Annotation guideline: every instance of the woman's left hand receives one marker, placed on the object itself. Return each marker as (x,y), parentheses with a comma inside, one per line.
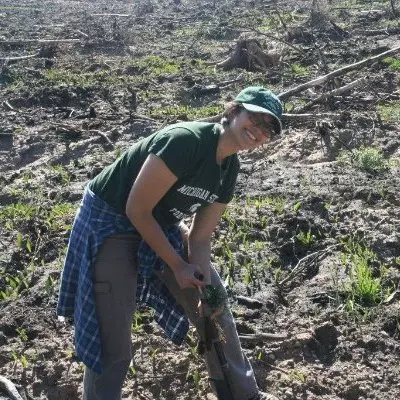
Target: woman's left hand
(189,276)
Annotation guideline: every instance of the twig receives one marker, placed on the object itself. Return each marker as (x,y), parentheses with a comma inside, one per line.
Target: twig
(373,32)
(76,129)
(249,302)
(332,93)
(279,15)
(22,41)
(275,367)
(139,116)
(82,33)
(67,127)
(322,79)
(297,49)
(9,106)
(302,263)
(395,12)
(262,336)
(309,117)
(111,15)
(224,84)
(103,135)
(345,145)
(253,56)
(6,59)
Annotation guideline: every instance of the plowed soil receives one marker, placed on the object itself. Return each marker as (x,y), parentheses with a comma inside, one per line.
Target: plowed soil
(81,81)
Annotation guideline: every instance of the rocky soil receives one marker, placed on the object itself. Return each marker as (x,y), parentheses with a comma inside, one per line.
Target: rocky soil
(309,248)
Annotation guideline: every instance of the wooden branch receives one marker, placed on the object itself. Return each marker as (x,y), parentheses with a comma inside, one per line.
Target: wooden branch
(9,389)
(262,336)
(23,41)
(278,39)
(285,371)
(275,2)
(7,59)
(9,106)
(395,12)
(145,117)
(332,93)
(68,128)
(303,263)
(212,118)
(239,78)
(374,32)
(285,117)
(82,33)
(249,302)
(309,117)
(103,135)
(322,79)
(111,15)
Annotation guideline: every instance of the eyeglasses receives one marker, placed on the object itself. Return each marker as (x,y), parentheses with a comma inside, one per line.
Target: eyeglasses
(259,121)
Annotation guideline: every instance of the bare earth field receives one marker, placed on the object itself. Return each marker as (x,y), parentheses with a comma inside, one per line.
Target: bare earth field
(310,246)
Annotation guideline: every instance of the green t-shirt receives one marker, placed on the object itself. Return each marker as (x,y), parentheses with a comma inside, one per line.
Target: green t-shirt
(189,151)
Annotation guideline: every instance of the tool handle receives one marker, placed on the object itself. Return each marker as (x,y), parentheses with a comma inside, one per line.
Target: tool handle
(224,367)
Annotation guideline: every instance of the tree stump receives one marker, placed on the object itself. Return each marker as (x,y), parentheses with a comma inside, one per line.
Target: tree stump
(249,55)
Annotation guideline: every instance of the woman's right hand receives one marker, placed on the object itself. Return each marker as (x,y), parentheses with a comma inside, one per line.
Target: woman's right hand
(189,276)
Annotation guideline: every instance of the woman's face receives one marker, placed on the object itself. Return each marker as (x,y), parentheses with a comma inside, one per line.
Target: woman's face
(251,130)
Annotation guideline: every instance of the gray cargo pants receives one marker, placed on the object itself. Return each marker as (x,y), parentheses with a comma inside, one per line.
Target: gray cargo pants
(115,275)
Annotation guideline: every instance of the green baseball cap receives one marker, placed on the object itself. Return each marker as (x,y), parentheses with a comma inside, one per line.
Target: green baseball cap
(260,100)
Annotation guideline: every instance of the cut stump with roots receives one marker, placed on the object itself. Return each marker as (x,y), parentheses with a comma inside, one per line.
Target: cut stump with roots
(248,54)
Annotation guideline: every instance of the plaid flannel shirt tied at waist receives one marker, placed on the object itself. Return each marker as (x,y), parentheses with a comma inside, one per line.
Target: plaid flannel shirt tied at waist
(94,222)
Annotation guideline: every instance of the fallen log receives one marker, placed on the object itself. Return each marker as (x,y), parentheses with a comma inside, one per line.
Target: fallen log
(332,93)
(322,79)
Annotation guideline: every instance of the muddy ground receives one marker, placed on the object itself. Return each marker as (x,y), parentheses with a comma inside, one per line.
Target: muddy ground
(305,217)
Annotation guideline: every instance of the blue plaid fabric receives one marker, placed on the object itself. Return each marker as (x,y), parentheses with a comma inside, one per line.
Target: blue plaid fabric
(94,222)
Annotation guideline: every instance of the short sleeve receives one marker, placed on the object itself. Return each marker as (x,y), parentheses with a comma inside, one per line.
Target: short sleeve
(177,147)
(231,172)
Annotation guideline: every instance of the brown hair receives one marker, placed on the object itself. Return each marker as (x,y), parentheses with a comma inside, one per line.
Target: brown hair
(232,109)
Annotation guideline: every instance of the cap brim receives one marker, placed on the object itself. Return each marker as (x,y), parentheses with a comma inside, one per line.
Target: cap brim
(258,109)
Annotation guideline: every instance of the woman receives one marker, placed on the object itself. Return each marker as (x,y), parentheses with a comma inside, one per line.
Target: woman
(127,242)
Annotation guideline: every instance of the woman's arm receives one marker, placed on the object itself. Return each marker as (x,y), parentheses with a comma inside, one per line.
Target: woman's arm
(199,239)
(151,184)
